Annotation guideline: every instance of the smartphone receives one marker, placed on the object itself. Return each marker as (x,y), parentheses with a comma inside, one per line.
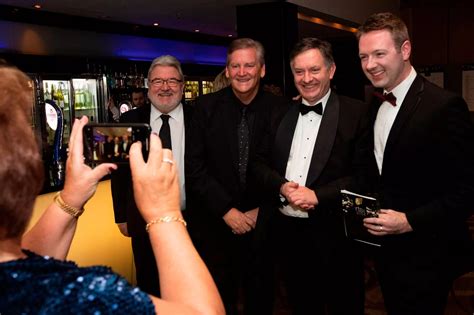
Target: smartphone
(111,142)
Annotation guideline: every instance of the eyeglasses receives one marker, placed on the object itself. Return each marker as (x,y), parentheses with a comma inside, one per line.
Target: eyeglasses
(171,82)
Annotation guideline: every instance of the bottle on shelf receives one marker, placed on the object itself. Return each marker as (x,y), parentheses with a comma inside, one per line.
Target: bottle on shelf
(46,93)
(87,98)
(79,98)
(59,97)
(188,94)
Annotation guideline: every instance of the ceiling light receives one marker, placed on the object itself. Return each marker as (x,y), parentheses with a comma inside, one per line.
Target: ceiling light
(37,6)
(156,24)
(230,35)
(197,31)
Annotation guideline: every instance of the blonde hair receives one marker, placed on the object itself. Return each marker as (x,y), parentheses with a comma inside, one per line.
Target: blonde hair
(220,82)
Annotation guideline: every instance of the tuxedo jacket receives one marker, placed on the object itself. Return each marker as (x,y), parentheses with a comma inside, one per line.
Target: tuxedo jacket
(212,154)
(339,151)
(428,172)
(125,209)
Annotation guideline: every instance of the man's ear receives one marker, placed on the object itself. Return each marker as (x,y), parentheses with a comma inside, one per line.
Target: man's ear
(406,50)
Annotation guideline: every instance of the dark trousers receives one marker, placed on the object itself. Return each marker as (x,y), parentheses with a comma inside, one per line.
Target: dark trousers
(413,280)
(230,258)
(145,265)
(322,273)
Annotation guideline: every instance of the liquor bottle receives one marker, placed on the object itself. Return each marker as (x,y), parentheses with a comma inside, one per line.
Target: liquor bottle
(188,94)
(53,92)
(65,94)
(46,93)
(79,98)
(87,97)
(60,97)
(141,81)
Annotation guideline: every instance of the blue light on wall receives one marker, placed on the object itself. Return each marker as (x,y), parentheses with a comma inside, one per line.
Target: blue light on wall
(140,48)
(45,40)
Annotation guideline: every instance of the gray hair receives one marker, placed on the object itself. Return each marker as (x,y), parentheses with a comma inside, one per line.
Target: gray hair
(243,43)
(166,61)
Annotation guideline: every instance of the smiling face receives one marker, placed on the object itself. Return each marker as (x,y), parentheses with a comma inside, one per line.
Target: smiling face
(312,75)
(384,64)
(164,97)
(244,72)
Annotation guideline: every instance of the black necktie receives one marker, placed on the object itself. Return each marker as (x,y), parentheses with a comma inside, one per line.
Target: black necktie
(243,134)
(386,97)
(318,109)
(165,132)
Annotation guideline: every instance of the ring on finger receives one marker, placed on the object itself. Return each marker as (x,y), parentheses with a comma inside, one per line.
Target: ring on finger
(166,160)
(381,228)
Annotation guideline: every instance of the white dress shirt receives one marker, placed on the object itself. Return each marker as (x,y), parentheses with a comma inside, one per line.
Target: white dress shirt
(301,152)
(386,116)
(176,123)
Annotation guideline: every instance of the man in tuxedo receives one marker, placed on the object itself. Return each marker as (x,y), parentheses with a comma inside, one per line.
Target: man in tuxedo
(126,144)
(221,141)
(169,118)
(422,169)
(313,154)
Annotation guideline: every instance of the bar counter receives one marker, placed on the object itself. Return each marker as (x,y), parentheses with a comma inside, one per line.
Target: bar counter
(97,240)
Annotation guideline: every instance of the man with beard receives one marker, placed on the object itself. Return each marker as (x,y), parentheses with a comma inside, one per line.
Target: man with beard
(222,139)
(169,118)
(138,98)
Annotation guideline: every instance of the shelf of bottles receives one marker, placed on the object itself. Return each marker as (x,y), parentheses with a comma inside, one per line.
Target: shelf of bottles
(207,87)
(85,98)
(60,92)
(122,83)
(196,87)
(191,90)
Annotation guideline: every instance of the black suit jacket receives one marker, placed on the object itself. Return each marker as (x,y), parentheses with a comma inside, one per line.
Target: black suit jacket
(125,209)
(428,173)
(212,154)
(338,155)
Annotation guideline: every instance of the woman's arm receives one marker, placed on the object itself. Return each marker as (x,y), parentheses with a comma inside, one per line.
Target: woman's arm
(186,284)
(53,233)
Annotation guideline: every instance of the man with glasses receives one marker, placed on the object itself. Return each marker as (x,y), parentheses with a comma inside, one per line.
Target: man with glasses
(169,118)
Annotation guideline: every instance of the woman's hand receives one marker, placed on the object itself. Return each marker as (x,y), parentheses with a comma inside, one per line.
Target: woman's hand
(155,182)
(81,180)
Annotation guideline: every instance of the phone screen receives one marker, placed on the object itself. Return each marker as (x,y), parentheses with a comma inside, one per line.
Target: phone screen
(112,142)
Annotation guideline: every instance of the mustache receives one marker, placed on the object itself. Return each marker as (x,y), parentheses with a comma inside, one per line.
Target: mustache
(165,94)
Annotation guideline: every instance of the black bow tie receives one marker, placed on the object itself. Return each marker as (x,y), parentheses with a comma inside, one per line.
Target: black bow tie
(318,109)
(386,97)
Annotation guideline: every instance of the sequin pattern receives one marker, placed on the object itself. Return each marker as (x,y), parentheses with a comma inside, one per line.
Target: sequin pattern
(43,285)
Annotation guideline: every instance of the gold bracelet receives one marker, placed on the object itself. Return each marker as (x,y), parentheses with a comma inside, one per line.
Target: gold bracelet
(165,219)
(75,212)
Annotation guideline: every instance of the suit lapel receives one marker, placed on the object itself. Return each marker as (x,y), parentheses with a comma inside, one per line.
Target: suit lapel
(284,138)
(325,140)
(187,112)
(408,107)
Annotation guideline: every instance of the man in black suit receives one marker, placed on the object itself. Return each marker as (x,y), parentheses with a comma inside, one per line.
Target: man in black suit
(313,154)
(220,143)
(422,168)
(166,85)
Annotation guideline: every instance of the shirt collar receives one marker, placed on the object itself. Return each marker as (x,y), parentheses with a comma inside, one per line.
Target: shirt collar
(323,100)
(401,90)
(175,114)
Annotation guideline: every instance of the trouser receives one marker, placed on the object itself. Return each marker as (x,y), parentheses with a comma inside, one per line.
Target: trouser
(322,273)
(145,265)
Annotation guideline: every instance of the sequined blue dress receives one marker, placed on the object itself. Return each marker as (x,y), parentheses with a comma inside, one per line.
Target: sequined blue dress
(43,285)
